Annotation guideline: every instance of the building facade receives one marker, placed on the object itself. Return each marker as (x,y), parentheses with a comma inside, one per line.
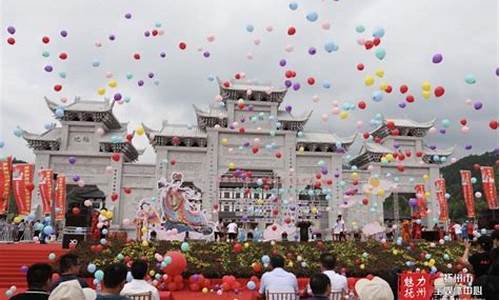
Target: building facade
(252,160)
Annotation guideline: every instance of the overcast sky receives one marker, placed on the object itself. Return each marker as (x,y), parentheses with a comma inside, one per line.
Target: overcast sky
(465,32)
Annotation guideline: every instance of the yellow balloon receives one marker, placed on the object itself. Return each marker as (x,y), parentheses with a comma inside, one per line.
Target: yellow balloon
(112,83)
(290,264)
(425,177)
(145,243)
(427,194)
(379,72)
(362,266)
(432,261)
(383,86)
(343,115)
(231,166)
(374,182)
(101,91)
(224,141)
(246,245)
(381,192)
(17,220)
(369,80)
(426,86)
(301,149)
(144,229)
(139,130)
(355,176)
(204,290)
(389,157)
(395,252)
(151,273)
(109,215)
(426,94)
(314,210)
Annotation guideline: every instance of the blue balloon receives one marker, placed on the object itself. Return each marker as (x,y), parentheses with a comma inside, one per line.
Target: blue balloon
(91,268)
(379,32)
(293,5)
(446,123)
(59,112)
(48,230)
(129,276)
(99,275)
(330,47)
(250,28)
(265,259)
(251,285)
(360,29)
(377,96)
(312,17)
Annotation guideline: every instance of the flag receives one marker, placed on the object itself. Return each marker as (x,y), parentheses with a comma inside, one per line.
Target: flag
(60,197)
(45,189)
(5,179)
(421,202)
(441,198)
(489,188)
(465,175)
(22,185)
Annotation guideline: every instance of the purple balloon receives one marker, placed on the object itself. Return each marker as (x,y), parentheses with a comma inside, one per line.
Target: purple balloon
(283,62)
(296,86)
(206,54)
(128,15)
(312,51)
(468,147)
(288,83)
(496,71)
(147,33)
(478,105)
(48,68)
(163,54)
(337,175)
(442,131)
(140,83)
(24,268)
(76,178)
(402,105)
(288,108)
(64,33)
(112,37)
(433,147)
(11,30)
(151,75)
(437,58)
(117,97)
(72,160)
(412,202)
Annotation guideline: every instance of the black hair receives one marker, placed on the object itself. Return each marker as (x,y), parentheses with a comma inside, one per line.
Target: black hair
(38,275)
(139,269)
(277,261)
(114,275)
(328,260)
(494,235)
(485,242)
(319,283)
(67,261)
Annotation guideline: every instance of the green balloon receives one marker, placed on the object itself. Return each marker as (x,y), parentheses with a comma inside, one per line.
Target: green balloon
(380,53)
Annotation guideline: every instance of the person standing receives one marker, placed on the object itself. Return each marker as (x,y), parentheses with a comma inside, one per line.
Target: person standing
(217,231)
(304,230)
(339,229)
(232,231)
(20,230)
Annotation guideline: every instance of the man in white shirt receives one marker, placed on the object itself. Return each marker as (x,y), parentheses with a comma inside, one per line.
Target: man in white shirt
(138,285)
(232,230)
(338,282)
(278,280)
(338,229)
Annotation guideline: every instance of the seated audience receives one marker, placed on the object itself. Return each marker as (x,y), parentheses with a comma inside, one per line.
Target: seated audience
(374,289)
(72,290)
(481,260)
(320,287)
(38,278)
(113,282)
(69,266)
(338,283)
(278,280)
(138,285)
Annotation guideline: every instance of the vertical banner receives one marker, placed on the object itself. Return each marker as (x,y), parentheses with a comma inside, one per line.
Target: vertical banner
(5,179)
(465,175)
(421,202)
(489,188)
(22,185)
(60,197)
(441,198)
(45,189)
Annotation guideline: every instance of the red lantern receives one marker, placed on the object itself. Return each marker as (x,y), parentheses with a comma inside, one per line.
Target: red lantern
(177,265)
(116,156)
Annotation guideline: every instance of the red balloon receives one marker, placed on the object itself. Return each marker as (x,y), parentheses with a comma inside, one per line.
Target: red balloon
(127,190)
(376,41)
(410,99)
(226,84)
(242,130)
(63,55)
(11,41)
(194,287)
(30,186)
(360,67)
(115,156)
(291,30)
(391,125)
(494,124)
(177,265)
(137,56)
(237,248)
(351,282)
(114,196)
(289,74)
(366,135)
(173,162)
(75,210)
(401,168)
(182,45)
(388,89)
(463,122)
(329,182)
(477,167)
(419,154)
(395,131)
(310,81)
(403,89)
(257,267)
(278,154)
(255,149)
(45,39)
(361,104)
(57,87)
(439,91)
(365,201)
(368,45)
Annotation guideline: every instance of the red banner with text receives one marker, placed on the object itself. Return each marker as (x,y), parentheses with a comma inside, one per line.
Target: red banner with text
(467,190)
(441,198)
(5,179)
(415,286)
(45,189)
(421,202)
(489,188)
(22,185)
(60,198)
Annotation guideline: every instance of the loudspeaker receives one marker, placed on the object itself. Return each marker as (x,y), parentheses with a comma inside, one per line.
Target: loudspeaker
(71,235)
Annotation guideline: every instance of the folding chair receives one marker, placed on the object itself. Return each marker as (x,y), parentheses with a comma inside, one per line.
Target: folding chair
(140,296)
(281,296)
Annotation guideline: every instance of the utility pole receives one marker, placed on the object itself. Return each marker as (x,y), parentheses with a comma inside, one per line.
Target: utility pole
(396,212)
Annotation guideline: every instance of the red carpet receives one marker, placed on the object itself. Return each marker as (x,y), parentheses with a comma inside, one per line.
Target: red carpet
(14,256)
